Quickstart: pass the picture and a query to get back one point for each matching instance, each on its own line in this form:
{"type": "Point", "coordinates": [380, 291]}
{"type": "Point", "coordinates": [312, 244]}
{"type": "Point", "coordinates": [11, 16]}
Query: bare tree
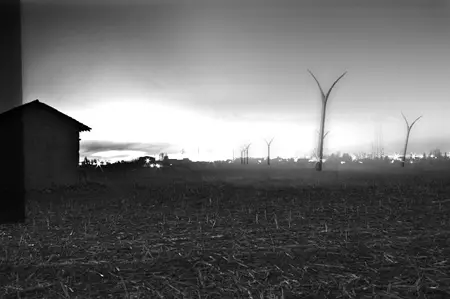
{"type": "Point", "coordinates": [268, 149]}
{"type": "Point", "coordinates": [408, 130]}
{"type": "Point", "coordinates": [322, 120]}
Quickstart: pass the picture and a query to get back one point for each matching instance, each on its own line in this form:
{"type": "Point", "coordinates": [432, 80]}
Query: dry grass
{"type": "Point", "coordinates": [353, 238]}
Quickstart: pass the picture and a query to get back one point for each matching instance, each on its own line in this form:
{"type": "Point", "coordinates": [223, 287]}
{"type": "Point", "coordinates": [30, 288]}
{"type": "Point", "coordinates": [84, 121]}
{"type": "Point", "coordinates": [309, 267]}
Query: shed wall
{"type": "Point", "coordinates": [12, 192]}
{"type": "Point", "coordinates": [51, 150]}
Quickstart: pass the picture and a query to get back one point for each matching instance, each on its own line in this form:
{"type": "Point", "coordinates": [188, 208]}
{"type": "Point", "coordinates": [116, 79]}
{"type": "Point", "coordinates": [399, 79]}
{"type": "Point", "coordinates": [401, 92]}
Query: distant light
{"type": "Point", "coordinates": [396, 157]}
{"type": "Point", "coordinates": [342, 162]}
{"type": "Point", "coordinates": [316, 160]}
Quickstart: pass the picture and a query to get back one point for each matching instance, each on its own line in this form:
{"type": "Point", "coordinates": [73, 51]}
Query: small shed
{"type": "Point", "coordinates": [50, 144]}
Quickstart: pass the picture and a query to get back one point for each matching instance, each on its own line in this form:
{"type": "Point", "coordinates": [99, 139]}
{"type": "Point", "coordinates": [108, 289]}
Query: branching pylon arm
{"type": "Point", "coordinates": [325, 97]}
{"type": "Point", "coordinates": [325, 135]}
{"type": "Point", "coordinates": [409, 127]}
{"type": "Point", "coordinates": [269, 142]}
{"type": "Point", "coordinates": [332, 86]}
{"type": "Point", "coordinates": [318, 84]}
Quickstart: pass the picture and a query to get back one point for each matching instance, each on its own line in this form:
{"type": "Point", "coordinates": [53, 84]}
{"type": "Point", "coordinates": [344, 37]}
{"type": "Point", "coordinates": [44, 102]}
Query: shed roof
{"type": "Point", "coordinates": [14, 112]}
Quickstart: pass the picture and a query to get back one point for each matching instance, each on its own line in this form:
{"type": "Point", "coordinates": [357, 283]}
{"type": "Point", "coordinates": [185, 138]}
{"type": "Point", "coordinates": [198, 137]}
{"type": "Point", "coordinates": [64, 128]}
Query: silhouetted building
{"type": "Point", "coordinates": [183, 161]}
{"type": "Point", "coordinates": [51, 143]}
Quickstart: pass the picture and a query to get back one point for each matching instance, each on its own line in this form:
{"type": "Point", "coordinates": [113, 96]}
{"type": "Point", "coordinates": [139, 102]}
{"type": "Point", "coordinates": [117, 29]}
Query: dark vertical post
{"type": "Point", "coordinates": [246, 153]}
{"type": "Point", "coordinates": [12, 185]}
{"type": "Point", "coordinates": [321, 133]}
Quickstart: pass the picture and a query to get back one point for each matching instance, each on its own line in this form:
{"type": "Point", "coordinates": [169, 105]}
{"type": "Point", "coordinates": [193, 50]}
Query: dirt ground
{"type": "Point", "coordinates": [234, 233]}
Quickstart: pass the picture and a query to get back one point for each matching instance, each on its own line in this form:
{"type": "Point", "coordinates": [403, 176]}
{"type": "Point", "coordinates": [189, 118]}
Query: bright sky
{"type": "Point", "coordinates": [208, 78]}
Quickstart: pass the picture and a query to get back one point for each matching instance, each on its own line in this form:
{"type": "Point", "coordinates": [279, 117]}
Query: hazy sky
{"type": "Point", "coordinates": [151, 76]}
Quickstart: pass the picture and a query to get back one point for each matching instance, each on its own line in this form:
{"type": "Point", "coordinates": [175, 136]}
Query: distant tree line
{"type": "Point", "coordinates": [433, 156]}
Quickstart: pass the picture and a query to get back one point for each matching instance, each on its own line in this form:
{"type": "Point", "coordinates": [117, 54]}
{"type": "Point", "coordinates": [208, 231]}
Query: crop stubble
{"type": "Point", "coordinates": [248, 237]}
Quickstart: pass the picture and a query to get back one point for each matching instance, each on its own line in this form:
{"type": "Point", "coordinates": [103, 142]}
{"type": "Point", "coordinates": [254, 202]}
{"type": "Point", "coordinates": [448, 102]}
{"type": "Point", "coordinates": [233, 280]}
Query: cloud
{"type": "Point", "coordinates": [91, 147]}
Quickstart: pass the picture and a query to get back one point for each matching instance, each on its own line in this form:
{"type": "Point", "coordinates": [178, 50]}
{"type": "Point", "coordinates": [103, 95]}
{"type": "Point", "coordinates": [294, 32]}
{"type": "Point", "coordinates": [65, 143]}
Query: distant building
{"type": "Point", "coordinates": [149, 159]}
{"type": "Point", "coordinates": [51, 144]}
{"type": "Point", "coordinates": [183, 161]}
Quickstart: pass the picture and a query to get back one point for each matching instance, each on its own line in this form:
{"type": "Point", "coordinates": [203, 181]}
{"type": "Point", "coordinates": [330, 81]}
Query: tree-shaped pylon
{"type": "Point", "coordinates": [322, 120]}
{"type": "Point", "coordinates": [268, 149]}
{"type": "Point", "coordinates": [246, 152]}
{"type": "Point", "coordinates": [408, 131]}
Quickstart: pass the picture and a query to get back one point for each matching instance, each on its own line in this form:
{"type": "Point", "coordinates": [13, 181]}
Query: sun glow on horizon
{"type": "Point", "coordinates": [205, 138]}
